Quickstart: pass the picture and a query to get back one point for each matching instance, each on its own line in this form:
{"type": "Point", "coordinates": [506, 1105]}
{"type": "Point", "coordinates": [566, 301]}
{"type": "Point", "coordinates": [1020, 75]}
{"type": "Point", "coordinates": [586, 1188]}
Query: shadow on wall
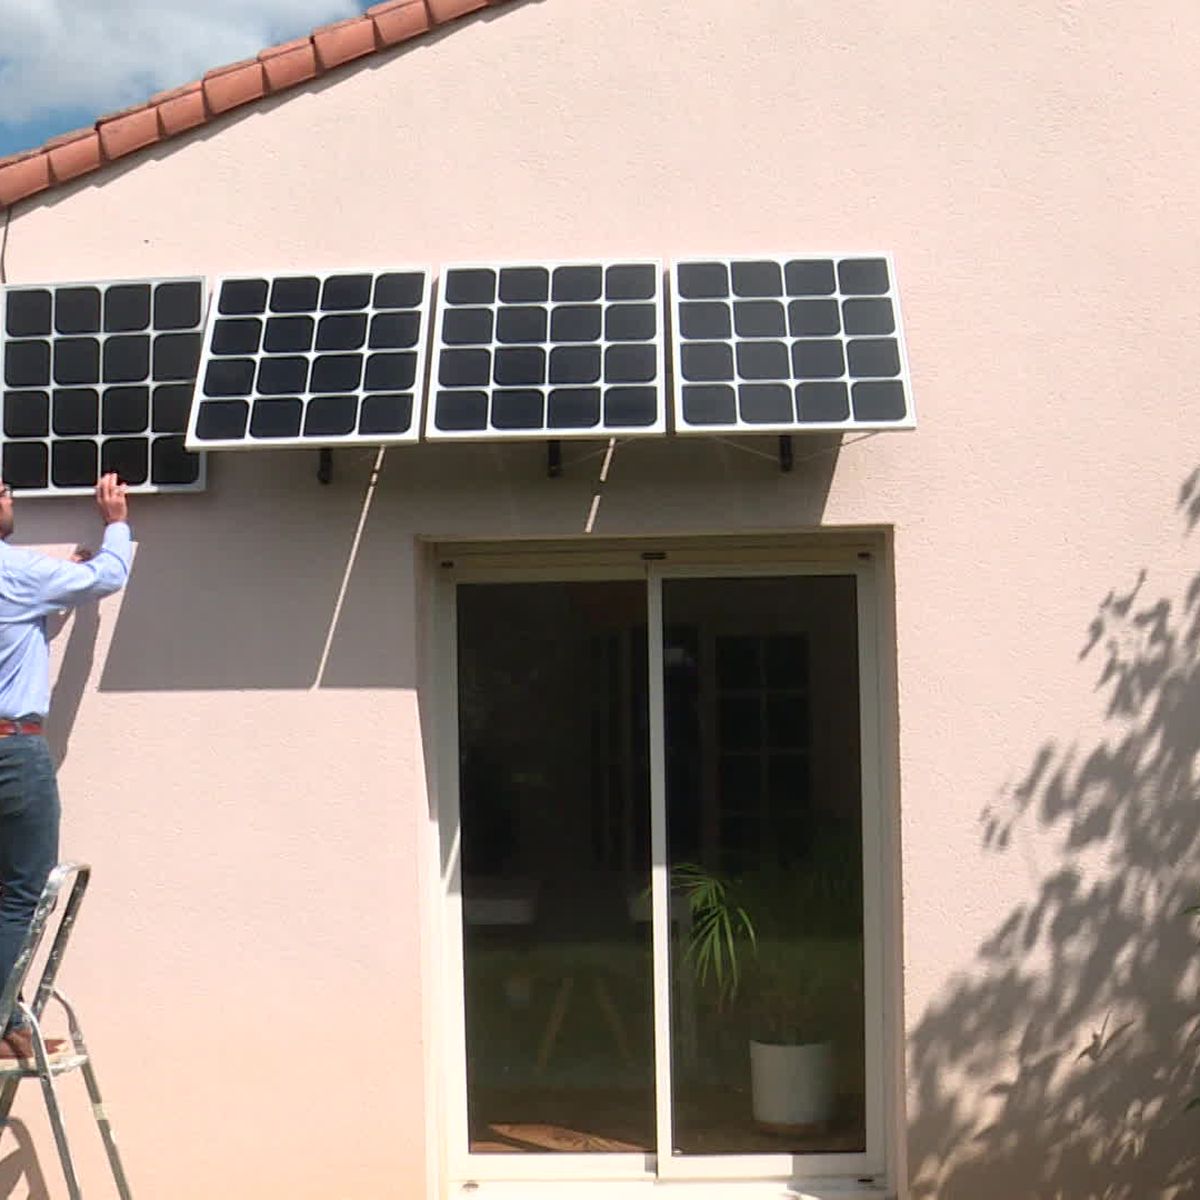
{"type": "Point", "coordinates": [272, 581]}
{"type": "Point", "coordinates": [19, 1167]}
{"type": "Point", "coordinates": [1083, 1019]}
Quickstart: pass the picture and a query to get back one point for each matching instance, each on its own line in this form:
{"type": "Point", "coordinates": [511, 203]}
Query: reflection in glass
{"type": "Point", "coordinates": [554, 800]}
{"type": "Point", "coordinates": [765, 840]}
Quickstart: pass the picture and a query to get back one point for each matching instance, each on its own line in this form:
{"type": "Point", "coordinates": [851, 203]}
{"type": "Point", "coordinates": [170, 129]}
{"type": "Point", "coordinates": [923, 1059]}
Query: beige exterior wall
{"type": "Point", "coordinates": [246, 772]}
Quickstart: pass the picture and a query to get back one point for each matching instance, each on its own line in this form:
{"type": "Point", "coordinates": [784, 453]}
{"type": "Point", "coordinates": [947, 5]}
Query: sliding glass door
{"type": "Point", "coordinates": [661, 927]}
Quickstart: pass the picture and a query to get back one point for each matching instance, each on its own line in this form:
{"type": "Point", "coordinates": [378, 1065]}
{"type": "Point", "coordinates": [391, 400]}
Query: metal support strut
{"type": "Point", "coordinates": [77, 1056]}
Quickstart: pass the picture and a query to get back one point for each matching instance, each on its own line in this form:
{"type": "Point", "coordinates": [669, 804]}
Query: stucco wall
{"type": "Point", "coordinates": [253, 817]}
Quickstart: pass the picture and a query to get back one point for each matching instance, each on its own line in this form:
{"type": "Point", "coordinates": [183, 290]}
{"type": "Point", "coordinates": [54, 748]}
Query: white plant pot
{"type": "Point", "coordinates": [791, 1085]}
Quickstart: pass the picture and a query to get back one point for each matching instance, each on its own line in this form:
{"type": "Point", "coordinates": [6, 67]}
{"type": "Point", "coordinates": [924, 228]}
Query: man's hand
{"type": "Point", "coordinates": [110, 499]}
{"type": "Point", "coordinates": [83, 554]}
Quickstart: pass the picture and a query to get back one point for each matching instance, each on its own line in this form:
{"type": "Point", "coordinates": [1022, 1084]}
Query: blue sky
{"type": "Point", "coordinates": [63, 63]}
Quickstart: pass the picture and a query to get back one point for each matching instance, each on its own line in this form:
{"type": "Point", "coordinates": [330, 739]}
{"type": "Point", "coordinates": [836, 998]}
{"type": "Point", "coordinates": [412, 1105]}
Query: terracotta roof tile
{"type": "Point", "coordinates": [177, 110]}
{"type": "Point", "coordinates": [344, 41]}
{"type": "Point", "coordinates": [448, 10]}
{"type": "Point", "coordinates": [123, 135]}
{"type": "Point", "coordinates": [289, 64]}
{"type": "Point", "coordinates": [398, 20]}
{"type": "Point", "coordinates": [75, 157]}
{"type": "Point", "coordinates": [229, 87]}
{"type": "Point", "coordinates": [182, 109]}
{"type": "Point", "coordinates": [25, 176]}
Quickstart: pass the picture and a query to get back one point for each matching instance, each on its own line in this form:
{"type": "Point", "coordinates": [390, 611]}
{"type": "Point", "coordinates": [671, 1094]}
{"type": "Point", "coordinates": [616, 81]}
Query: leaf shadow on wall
{"type": "Point", "coordinates": [1062, 1068]}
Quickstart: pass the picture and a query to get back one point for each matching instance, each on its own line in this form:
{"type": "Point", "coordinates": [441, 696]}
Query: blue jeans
{"type": "Point", "coordinates": [29, 812]}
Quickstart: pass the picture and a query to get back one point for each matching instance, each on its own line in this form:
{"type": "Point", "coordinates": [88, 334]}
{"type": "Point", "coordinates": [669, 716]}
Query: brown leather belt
{"type": "Point", "coordinates": [8, 727]}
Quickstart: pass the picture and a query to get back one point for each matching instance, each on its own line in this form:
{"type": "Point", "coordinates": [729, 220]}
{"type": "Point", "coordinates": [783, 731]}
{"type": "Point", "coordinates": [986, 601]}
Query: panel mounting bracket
{"type": "Point", "coordinates": [785, 453]}
{"type": "Point", "coordinates": [553, 458]}
{"type": "Point", "coordinates": [324, 465]}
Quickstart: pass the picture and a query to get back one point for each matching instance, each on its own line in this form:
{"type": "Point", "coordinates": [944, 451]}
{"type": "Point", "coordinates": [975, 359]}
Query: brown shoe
{"type": "Point", "coordinates": [16, 1050]}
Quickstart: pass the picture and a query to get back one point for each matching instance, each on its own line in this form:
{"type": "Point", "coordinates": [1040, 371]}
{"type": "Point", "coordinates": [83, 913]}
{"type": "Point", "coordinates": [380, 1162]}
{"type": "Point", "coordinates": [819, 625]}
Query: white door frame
{"type": "Point", "coordinates": [459, 1166]}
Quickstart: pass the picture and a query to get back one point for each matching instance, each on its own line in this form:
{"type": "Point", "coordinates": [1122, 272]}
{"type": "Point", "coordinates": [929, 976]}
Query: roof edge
{"type": "Point", "coordinates": [274, 70]}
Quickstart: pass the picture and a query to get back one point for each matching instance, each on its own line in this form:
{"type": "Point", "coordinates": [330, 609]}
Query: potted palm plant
{"type": "Point", "coordinates": [783, 989]}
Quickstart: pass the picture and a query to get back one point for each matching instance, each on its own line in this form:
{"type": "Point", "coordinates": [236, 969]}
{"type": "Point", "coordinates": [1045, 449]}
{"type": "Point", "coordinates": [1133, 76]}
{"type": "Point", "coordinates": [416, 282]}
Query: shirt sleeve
{"type": "Point", "coordinates": [54, 583]}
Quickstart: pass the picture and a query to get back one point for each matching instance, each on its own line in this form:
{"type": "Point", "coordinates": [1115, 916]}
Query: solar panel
{"type": "Point", "coordinates": [320, 359]}
{"type": "Point", "coordinates": [548, 349]}
{"type": "Point", "coordinates": [98, 377]}
{"type": "Point", "coordinates": [780, 344]}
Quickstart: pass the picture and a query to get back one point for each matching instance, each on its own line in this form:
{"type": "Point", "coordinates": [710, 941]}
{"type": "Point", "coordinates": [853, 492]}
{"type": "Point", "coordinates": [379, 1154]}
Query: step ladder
{"type": "Point", "coordinates": [77, 1057]}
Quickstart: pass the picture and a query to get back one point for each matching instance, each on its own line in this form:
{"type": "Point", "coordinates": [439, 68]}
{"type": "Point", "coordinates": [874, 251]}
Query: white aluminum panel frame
{"type": "Point", "coordinates": [850, 425]}
{"type": "Point", "coordinates": [103, 286]}
{"type": "Point", "coordinates": [248, 442]}
{"type": "Point", "coordinates": [599, 431]}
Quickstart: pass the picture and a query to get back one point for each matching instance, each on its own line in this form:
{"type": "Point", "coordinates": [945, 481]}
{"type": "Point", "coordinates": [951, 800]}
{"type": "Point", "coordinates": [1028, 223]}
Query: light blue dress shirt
{"type": "Point", "coordinates": [32, 586]}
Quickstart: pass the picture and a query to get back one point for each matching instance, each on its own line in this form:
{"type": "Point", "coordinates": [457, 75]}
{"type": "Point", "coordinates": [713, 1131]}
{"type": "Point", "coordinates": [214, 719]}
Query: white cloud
{"type": "Point", "coordinates": [100, 55]}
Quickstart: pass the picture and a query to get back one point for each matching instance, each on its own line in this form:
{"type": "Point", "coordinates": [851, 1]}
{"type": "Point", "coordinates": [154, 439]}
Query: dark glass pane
{"type": "Point", "coordinates": [172, 463]}
{"type": "Point", "coordinates": [327, 416]}
{"type": "Point", "coordinates": [630, 407]}
{"type": "Point", "coordinates": [282, 376]}
{"type": "Point", "coordinates": [276, 418]}
{"type": "Point", "coordinates": [470, 285]}
{"type": "Point", "coordinates": [222, 420]}
{"type": "Point", "coordinates": [125, 410]}
{"type": "Point", "coordinates": [127, 308]}
{"type": "Point", "coordinates": [521, 323]}
{"type": "Point", "coordinates": [556, 923]}
{"type": "Point", "coordinates": [177, 305]}
{"type": "Point", "coordinates": [577, 283]}
{"type": "Point", "coordinates": [466, 326]}
{"type": "Point", "coordinates": [386, 413]}
{"type": "Point", "coordinates": [575, 323]}
{"type": "Point", "coordinates": [630, 281]}
{"type": "Point", "coordinates": [236, 336]}
{"type": "Point", "coordinates": [402, 289]}
{"type": "Point", "coordinates": [520, 285]}
{"type": "Point", "coordinates": [517, 409]}
{"type": "Point", "coordinates": [176, 356]}
{"type": "Point", "coordinates": [822, 402]}
{"type": "Point", "coordinates": [705, 320]}
{"type": "Point", "coordinates": [757, 279]}
{"type": "Point", "coordinates": [346, 331]}
{"type": "Point", "coordinates": [573, 408]}
{"type": "Point", "coordinates": [77, 310]}
{"type": "Point", "coordinates": [461, 411]}
{"type": "Point", "coordinates": [170, 408]}
{"type": "Point", "coordinates": [346, 292]}
{"type": "Point", "coordinates": [76, 360]}
{"type": "Point", "coordinates": [26, 464]}
{"type": "Point", "coordinates": [390, 372]}
{"type": "Point", "coordinates": [28, 312]}
{"type": "Point", "coordinates": [774, 1064]}
{"type": "Point", "coordinates": [809, 277]}
{"type": "Point", "coordinates": [128, 457]}
{"type": "Point", "coordinates": [395, 331]}
{"type": "Point", "coordinates": [863, 276]}
{"type": "Point", "coordinates": [881, 400]}
{"type": "Point", "coordinates": [295, 295]}
{"type": "Point", "coordinates": [709, 404]}
{"type": "Point", "coordinates": [288, 335]}
{"type": "Point", "coordinates": [74, 463]}
{"type": "Point", "coordinates": [127, 358]}
{"type": "Point", "coordinates": [229, 377]}
{"type": "Point", "coordinates": [241, 296]}
{"type": "Point", "coordinates": [26, 414]}
{"type": "Point", "coordinates": [703, 281]}
{"type": "Point", "coordinates": [27, 364]}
